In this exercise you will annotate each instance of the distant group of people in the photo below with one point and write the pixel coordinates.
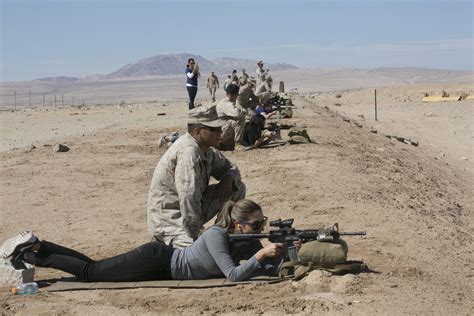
(245, 107)
(260, 84)
(182, 199)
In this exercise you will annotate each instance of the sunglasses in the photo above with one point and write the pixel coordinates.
(257, 224)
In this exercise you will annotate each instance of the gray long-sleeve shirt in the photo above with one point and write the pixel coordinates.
(210, 256)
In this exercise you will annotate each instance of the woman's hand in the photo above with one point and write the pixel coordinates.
(297, 244)
(270, 250)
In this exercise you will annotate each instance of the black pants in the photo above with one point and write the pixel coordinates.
(192, 91)
(151, 261)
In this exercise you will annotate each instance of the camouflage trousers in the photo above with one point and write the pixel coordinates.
(212, 92)
(232, 133)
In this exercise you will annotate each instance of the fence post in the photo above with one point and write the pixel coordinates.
(29, 97)
(15, 99)
(376, 104)
(43, 98)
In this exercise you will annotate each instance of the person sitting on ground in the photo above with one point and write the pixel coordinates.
(262, 108)
(234, 118)
(181, 200)
(254, 134)
(212, 255)
(234, 78)
(243, 78)
(168, 140)
(227, 82)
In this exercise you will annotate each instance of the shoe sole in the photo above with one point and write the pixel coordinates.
(14, 244)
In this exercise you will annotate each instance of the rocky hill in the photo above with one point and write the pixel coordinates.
(174, 64)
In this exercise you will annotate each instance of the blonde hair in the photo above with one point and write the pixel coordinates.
(231, 211)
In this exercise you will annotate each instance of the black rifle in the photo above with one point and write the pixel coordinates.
(287, 234)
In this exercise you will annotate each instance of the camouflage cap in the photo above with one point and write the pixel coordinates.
(205, 115)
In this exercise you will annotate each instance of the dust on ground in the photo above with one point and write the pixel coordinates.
(416, 209)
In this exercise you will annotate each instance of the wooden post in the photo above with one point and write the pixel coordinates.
(43, 99)
(376, 104)
(15, 99)
(281, 88)
(29, 97)
(62, 99)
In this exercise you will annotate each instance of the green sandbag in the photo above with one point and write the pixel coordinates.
(324, 253)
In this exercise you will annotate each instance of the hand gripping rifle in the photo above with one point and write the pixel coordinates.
(287, 234)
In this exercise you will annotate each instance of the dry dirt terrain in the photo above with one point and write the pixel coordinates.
(415, 206)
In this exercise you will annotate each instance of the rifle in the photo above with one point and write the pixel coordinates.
(287, 234)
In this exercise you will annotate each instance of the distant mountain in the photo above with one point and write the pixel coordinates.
(174, 64)
(58, 79)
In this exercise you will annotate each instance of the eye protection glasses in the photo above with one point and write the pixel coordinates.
(256, 224)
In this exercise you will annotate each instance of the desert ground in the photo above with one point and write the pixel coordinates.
(415, 202)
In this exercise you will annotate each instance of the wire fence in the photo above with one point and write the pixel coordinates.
(16, 101)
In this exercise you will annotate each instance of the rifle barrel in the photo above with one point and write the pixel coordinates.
(247, 236)
(353, 233)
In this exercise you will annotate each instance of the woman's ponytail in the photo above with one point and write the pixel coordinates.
(231, 211)
(224, 217)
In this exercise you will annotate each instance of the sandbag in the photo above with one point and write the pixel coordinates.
(298, 140)
(324, 253)
(299, 131)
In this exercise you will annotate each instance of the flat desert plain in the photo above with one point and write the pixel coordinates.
(415, 202)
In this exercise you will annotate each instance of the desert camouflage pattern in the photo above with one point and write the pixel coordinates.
(234, 115)
(181, 200)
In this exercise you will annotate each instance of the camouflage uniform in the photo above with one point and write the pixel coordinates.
(212, 85)
(260, 75)
(243, 78)
(181, 200)
(232, 130)
(234, 80)
(265, 86)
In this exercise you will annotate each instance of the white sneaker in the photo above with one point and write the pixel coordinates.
(162, 140)
(21, 241)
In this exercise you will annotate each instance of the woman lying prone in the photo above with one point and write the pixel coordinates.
(211, 255)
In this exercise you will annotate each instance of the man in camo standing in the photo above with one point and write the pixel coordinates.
(212, 85)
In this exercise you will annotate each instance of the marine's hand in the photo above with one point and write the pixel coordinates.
(226, 186)
(270, 250)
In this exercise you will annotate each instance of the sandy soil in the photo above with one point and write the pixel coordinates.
(416, 207)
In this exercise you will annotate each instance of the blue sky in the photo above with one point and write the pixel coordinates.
(41, 38)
